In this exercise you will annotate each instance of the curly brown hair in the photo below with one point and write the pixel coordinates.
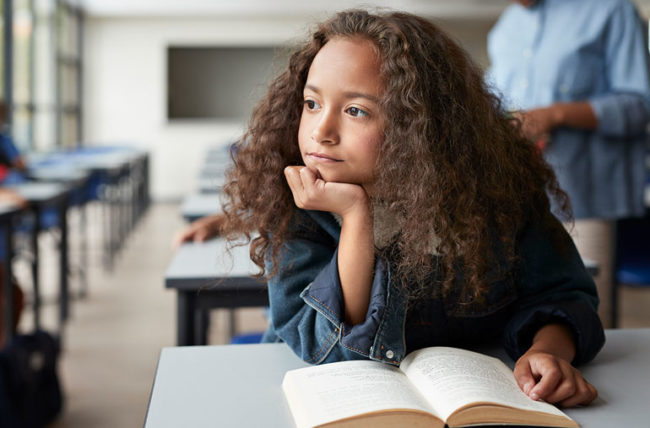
(449, 149)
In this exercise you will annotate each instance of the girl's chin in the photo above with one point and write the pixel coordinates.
(328, 176)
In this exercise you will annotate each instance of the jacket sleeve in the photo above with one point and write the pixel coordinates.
(306, 301)
(624, 110)
(553, 287)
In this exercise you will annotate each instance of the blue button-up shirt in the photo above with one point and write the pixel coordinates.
(582, 50)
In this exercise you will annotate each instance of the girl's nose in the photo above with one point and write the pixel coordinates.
(325, 131)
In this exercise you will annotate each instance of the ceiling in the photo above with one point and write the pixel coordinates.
(438, 8)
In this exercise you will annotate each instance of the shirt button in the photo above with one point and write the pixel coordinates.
(390, 354)
(524, 83)
(564, 88)
(527, 53)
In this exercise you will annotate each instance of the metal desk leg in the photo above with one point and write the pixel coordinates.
(63, 264)
(613, 313)
(83, 235)
(233, 322)
(35, 271)
(202, 321)
(7, 287)
(186, 306)
(109, 229)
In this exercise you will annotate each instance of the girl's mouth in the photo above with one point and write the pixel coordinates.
(322, 157)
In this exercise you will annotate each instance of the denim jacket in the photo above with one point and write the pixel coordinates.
(307, 310)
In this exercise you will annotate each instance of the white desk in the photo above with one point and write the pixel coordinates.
(206, 276)
(200, 205)
(239, 385)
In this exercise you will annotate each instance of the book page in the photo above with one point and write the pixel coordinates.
(330, 392)
(451, 378)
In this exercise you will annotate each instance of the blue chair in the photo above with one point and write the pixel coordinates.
(631, 258)
(247, 338)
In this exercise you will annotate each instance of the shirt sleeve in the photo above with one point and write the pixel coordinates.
(306, 302)
(624, 110)
(554, 287)
(9, 149)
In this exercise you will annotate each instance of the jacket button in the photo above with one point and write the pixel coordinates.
(390, 354)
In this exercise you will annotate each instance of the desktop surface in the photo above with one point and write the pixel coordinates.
(239, 385)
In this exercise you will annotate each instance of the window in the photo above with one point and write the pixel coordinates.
(41, 62)
(23, 106)
(68, 72)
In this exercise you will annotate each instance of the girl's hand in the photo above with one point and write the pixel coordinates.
(311, 192)
(547, 377)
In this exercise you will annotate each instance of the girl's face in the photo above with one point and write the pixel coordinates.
(341, 126)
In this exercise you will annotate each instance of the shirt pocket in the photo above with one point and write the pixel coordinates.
(579, 77)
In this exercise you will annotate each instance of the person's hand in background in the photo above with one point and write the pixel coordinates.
(537, 124)
(200, 230)
(8, 195)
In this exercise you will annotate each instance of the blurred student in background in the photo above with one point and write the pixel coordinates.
(12, 166)
(576, 72)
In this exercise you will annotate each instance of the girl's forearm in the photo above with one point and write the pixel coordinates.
(356, 262)
(555, 339)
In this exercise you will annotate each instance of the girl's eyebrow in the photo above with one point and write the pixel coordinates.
(349, 94)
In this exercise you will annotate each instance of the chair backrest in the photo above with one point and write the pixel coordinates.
(633, 251)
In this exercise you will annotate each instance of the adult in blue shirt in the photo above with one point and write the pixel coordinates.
(577, 73)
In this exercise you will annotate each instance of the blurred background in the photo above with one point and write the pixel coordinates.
(154, 86)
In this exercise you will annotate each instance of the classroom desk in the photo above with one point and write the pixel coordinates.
(112, 170)
(214, 168)
(211, 184)
(200, 205)
(67, 175)
(218, 155)
(204, 279)
(41, 196)
(239, 385)
(123, 175)
(591, 266)
(212, 176)
(8, 213)
(78, 180)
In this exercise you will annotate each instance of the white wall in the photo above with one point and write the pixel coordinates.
(125, 88)
(125, 84)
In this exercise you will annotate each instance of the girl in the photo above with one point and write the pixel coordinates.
(399, 207)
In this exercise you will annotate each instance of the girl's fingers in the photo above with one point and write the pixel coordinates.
(554, 381)
(550, 376)
(565, 389)
(310, 179)
(585, 393)
(292, 174)
(307, 175)
(524, 376)
(302, 183)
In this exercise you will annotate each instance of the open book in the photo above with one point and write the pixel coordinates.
(432, 387)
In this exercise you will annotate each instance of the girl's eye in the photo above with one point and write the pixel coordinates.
(356, 112)
(311, 104)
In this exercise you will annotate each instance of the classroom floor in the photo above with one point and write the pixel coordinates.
(114, 337)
